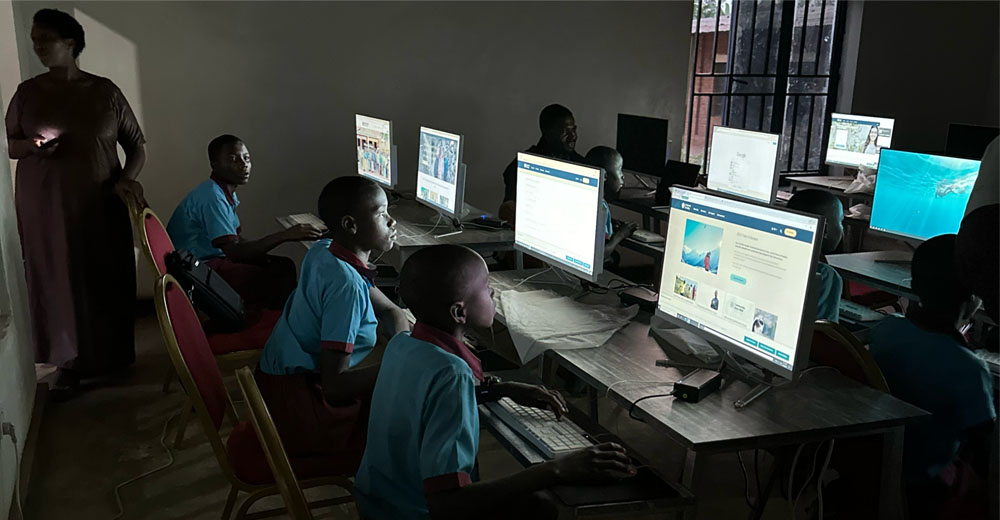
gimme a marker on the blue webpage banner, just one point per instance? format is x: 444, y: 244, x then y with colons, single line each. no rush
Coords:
x: 572, y: 177
x: 759, y: 224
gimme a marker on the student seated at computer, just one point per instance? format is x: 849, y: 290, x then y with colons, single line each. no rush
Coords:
x: 423, y: 435
x: 611, y: 161
x: 826, y: 204
x: 307, y: 371
x: 206, y: 225
x: 558, y: 141
x: 927, y: 363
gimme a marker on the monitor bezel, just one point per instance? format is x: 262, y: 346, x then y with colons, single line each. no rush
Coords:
x: 393, y: 176
x: 806, y: 320
x: 774, y: 181
x: 826, y: 147
x: 460, y: 172
x: 666, y: 142
x: 599, y: 238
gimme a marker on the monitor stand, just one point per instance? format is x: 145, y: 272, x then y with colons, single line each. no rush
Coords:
x: 456, y: 226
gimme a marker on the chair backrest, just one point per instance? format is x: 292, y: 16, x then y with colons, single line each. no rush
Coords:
x: 835, y: 346
x: 277, y: 458
x: 155, y: 240
x: 192, y: 358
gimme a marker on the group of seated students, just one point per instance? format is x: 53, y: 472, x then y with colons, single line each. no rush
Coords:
x: 408, y: 426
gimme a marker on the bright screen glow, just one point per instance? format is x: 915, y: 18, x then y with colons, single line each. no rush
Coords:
x: 374, y: 141
x: 558, y: 212
x: 437, y: 168
x: 738, y: 272
x: 856, y: 140
x: 921, y: 196
x: 743, y: 163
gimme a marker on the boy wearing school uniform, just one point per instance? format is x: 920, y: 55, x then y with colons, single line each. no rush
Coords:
x: 611, y: 161
x: 423, y: 431
x: 206, y: 225
x: 826, y: 204
x: 308, y: 371
x: 926, y: 362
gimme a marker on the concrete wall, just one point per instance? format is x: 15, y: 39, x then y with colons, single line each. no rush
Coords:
x: 288, y: 78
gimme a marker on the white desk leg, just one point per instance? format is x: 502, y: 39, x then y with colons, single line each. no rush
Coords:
x: 890, y: 506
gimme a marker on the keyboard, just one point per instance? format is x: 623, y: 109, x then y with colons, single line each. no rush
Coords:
x: 540, y: 428
x: 648, y: 237
x: 857, y: 312
x: 307, y: 218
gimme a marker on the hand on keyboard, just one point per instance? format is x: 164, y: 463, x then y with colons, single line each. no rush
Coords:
x: 597, y: 462
x: 536, y: 396
x: 300, y: 232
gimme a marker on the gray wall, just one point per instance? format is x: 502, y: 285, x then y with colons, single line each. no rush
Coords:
x: 288, y: 78
x: 928, y: 64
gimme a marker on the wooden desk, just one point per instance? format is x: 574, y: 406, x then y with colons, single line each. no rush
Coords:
x: 643, y: 202
x: 865, y: 268
x: 832, y: 184
x: 823, y: 405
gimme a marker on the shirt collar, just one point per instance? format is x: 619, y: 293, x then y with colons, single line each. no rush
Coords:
x: 450, y: 344
x: 227, y: 190
x: 352, y: 259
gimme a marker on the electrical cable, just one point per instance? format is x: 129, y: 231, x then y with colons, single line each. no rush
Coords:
x: 170, y: 462
x: 634, y: 381
x: 756, y: 477
x: 521, y: 282
x: 819, y: 480
x: 746, y: 481
x: 791, y: 474
x: 805, y: 484
x: 631, y: 408
x: 431, y: 230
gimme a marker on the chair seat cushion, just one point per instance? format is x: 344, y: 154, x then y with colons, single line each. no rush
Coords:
x: 250, y: 464
x: 251, y: 338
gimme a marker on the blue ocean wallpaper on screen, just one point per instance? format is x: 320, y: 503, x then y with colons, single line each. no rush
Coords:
x: 921, y: 196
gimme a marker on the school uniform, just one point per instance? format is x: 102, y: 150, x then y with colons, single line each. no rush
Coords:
x: 831, y: 288
x: 423, y: 431
x: 204, y: 222
x: 609, y: 228
x: 330, y: 309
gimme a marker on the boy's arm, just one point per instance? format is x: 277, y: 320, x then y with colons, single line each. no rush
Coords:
x: 624, y: 231
x: 388, y: 313
x: 343, y: 308
x: 341, y: 385
x: 239, y: 250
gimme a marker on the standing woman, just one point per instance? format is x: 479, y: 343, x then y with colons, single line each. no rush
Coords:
x: 76, y: 236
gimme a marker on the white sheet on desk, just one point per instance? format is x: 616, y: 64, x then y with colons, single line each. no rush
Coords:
x: 543, y: 320
x: 686, y: 342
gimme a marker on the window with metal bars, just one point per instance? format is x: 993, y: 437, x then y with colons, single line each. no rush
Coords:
x: 765, y: 65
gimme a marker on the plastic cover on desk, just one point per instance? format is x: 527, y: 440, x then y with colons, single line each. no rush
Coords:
x: 543, y: 320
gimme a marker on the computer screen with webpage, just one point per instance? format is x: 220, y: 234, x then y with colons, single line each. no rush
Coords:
x: 743, y: 163
x: 560, y: 218
x: 739, y: 274
x: 374, y: 141
x: 920, y: 196
x: 856, y: 140
x: 438, y: 165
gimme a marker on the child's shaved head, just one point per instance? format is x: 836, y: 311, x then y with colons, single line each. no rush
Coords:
x: 447, y: 285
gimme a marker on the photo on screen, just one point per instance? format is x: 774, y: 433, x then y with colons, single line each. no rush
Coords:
x: 764, y: 323
x: 686, y: 288
x: 374, y: 149
x: 855, y: 137
x: 438, y: 157
x: 702, y: 244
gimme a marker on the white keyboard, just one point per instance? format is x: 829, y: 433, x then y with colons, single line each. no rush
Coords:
x: 540, y: 428
x: 648, y: 237
x: 307, y: 218
x: 857, y: 312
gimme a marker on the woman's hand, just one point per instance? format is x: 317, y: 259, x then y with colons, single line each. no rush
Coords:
x: 535, y: 396
x: 130, y: 192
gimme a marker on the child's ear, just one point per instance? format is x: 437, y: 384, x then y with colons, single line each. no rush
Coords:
x: 458, y: 312
x: 348, y: 224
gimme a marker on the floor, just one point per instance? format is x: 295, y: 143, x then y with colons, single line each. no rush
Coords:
x: 112, y: 432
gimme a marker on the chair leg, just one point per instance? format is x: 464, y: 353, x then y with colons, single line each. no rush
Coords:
x: 182, y: 426
x: 230, y: 502
x: 243, y: 512
x: 169, y: 378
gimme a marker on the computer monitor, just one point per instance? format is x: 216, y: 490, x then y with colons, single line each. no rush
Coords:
x: 440, y: 172
x: 744, y: 163
x: 856, y: 140
x: 969, y: 141
x: 642, y: 141
x: 376, y: 153
x: 560, y: 218
x: 920, y: 196
x: 742, y: 276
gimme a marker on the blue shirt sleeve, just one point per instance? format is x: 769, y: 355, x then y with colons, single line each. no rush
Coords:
x: 218, y: 219
x: 831, y: 288
x: 976, y: 399
x: 450, y: 436
x: 343, y: 307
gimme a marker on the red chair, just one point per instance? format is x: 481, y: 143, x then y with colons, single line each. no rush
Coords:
x: 835, y: 346
x: 241, y: 457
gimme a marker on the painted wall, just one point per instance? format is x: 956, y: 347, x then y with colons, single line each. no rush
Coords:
x: 289, y: 77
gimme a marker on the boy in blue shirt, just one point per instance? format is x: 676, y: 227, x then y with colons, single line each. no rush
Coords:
x: 611, y: 161
x: 308, y: 371
x: 205, y: 224
x: 927, y: 363
x: 827, y: 205
x: 423, y: 434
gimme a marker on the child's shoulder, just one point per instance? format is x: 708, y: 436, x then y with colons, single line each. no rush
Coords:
x: 425, y: 356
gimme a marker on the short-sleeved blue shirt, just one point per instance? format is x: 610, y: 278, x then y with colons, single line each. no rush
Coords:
x: 937, y: 373
x: 423, y: 430
x: 830, y: 290
x: 609, y: 228
x: 204, y: 220
x: 331, y: 308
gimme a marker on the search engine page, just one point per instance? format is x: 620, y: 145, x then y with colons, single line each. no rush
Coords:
x: 741, y: 162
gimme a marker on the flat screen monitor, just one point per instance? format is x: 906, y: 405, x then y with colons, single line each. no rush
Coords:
x: 741, y: 275
x: 920, y: 196
x: 969, y: 141
x: 440, y: 173
x: 560, y: 215
x: 855, y: 141
x: 642, y: 141
x: 744, y: 163
x: 376, y: 159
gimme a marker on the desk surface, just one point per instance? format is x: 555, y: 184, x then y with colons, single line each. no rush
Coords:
x: 865, y: 268
x: 415, y: 229
x: 834, y: 184
x: 642, y: 201
x: 823, y: 404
